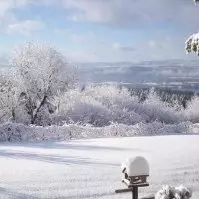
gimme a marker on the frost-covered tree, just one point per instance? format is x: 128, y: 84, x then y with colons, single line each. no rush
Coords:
x: 42, y: 73
x: 192, y: 43
x: 12, y: 107
x: 9, y: 98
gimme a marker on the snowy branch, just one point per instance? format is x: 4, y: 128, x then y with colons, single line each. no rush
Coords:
x: 192, y: 44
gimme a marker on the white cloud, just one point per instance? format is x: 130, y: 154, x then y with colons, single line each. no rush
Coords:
x: 9, y: 20
x: 131, y: 13
x: 118, y: 46
x: 162, y: 47
x: 82, y: 56
x: 79, y: 38
x: 152, y: 43
x: 8, y: 5
x: 159, y: 47
x: 120, y: 13
x: 25, y: 27
x: 4, y: 6
x: 117, y: 13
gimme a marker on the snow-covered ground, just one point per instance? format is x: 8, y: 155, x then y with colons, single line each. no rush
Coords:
x: 90, y: 168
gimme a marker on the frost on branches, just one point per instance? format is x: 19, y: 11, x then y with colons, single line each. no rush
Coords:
x: 168, y: 192
x: 192, y: 44
x: 8, y: 97
x: 42, y: 73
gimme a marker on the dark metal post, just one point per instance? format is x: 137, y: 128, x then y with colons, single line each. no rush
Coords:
x: 135, y: 193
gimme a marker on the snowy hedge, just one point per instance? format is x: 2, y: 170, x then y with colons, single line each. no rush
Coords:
x: 102, y: 104
x: 18, y: 132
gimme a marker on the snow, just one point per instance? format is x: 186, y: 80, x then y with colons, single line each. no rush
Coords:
x: 136, y: 166
x: 176, y: 192
x: 192, y: 44
x: 91, y: 168
x: 14, y: 132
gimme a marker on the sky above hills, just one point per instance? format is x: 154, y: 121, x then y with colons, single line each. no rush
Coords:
x: 101, y: 30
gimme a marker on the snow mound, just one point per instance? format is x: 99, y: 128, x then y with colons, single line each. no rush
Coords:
x: 168, y: 192
x: 136, y: 166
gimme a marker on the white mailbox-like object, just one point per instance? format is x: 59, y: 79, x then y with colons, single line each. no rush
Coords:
x: 135, y: 171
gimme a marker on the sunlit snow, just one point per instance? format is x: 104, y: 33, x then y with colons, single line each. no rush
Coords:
x: 91, y: 168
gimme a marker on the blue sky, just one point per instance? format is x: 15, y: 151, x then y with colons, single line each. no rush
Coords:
x: 101, y: 30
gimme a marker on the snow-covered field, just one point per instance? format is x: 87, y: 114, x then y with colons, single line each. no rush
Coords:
x: 90, y: 168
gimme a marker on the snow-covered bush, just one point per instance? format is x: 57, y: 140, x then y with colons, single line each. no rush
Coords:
x: 103, y: 104
x: 119, y: 101
x: 15, y: 132
x: 18, y: 132
x: 80, y: 108
x: 168, y: 192
x: 191, y: 113
x: 99, y: 106
x: 9, y: 96
x: 155, y: 109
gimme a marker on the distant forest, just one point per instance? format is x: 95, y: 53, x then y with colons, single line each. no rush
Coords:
x: 166, y: 95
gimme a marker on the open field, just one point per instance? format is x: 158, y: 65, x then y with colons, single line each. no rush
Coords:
x: 90, y: 168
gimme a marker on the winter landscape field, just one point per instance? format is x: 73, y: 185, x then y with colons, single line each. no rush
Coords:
x: 91, y: 168
x: 86, y: 84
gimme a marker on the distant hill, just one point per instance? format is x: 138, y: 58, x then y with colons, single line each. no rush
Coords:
x: 177, y: 74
